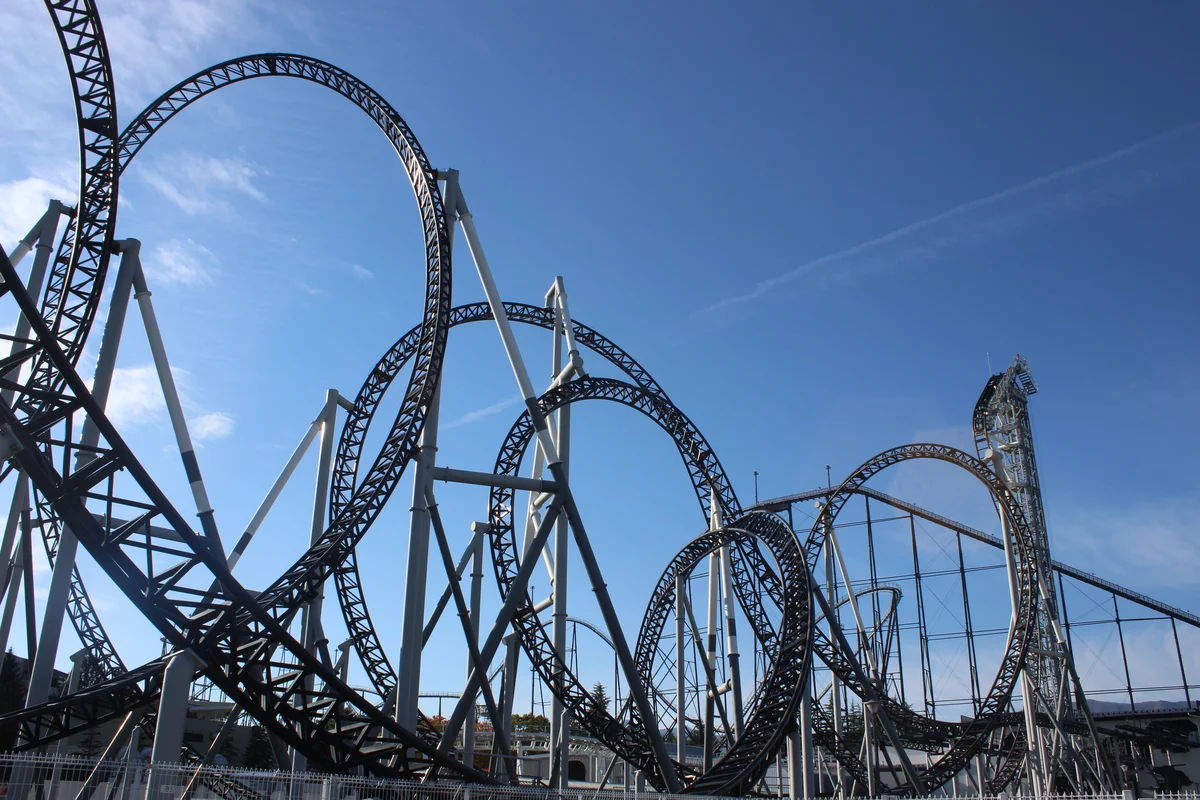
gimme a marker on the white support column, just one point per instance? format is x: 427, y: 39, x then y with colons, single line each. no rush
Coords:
x: 42, y: 670
x: 680, y: 671
x: 835, y: 689
x: 183, y: 438
x: 412, y: 622
x: 476, y: 614
x: 310, y: 624
x: 560, y: 729
x: 172, y: 707
x: 408, y: 669
x: 731, y: 642
x: 714, y: 568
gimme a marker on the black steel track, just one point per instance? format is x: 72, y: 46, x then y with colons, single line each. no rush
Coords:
x: 779, y: 694
x: 972, y: 736
x: 236, y: 636
x: 354, y: 431
x: 80, y: 608
x: 628, y: 741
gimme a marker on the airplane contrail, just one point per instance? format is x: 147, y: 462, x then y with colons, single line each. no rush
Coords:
x: 908, y: 231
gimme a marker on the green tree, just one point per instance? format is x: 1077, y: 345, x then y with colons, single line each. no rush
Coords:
x: 599, y: 697
x: 259, y: 753
x: 530, y: 723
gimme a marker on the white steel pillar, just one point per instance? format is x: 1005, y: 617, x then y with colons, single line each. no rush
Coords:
x: 680, y: 671
x: 42, y: 670
x: 172, y: 707
x: 408, y: 667
x: 560, y: 729
x: 731, y: 643
x: 310, y: 625
x: 476, y: 614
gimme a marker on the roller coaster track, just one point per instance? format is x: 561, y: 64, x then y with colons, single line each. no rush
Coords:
x: 424, y: 344
x: 742, y: 764
x: 233, y: 635
x: 971, y: 737
x: 179, y: 579
x: 689, y: 440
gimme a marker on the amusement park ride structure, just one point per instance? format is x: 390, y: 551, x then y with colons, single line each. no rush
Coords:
x: 787, y: 661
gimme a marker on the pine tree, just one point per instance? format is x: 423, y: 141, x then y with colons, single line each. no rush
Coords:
x: 599, y: 697
x: 259, y: 753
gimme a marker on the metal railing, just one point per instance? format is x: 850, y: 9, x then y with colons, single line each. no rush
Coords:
x: 39, y: 777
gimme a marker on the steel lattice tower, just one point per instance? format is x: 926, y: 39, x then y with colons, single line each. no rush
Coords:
x: 1060, y: 733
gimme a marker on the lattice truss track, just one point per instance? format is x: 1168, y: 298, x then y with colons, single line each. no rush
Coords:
x: 264, y: 652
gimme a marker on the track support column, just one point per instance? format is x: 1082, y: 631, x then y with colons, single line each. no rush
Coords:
x: 42, y: 670
x: 408, y: 667
x: 173, y: 707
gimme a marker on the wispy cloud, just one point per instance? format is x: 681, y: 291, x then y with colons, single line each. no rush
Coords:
x: 481, y: 413
x: 1146, y: 545
x: 1088, y: 184
x: 136, y: 399
x: 361, y: 272
x: 181, y: 262
x: 212, y: 425
x: 22, y: 203
x: 201, y: 184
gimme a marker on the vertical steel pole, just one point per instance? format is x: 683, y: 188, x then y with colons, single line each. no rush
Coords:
x: 408, y: 668
x: 476, y: 612
x: 74, y: 679
x: 42, y: 670
x: 731, y: 643
x: 680, y: 674
x: 835, y: 688
x: 310, y: 623
x: 559, y: 723
x: 512, y: 649
x: 710, y: 653
x: 806, y: 741
x: 172, y: 708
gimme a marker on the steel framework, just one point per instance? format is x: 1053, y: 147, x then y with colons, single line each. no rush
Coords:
x: 265, y: 652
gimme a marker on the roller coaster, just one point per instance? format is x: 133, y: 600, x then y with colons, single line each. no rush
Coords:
x: 817, y: 706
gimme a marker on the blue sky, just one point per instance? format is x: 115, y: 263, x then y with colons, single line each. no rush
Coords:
x: 812, y: 224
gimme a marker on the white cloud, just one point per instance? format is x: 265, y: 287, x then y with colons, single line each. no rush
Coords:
x: 213, y: 425
x: 181, y: 262
x: 136, y: 399
x: 309, y: 289
x: 22, y: 203
x: 135, y: 396
x: 359, y: 271
x: 481, y: 413
x: 1142, y: 544
x: 200, y: 184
